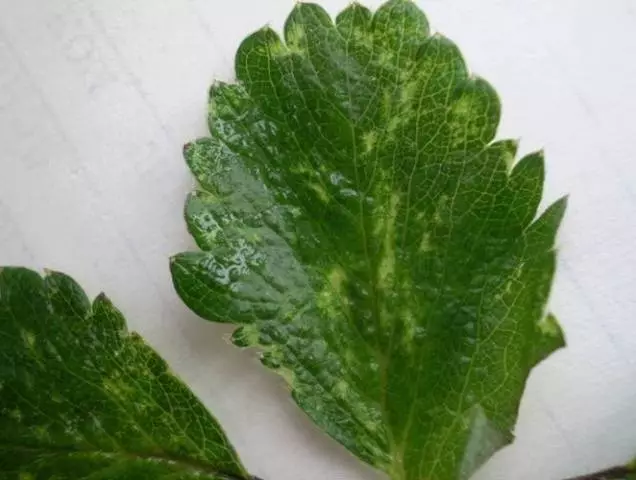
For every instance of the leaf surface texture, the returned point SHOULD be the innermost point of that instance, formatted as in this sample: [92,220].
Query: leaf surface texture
[83,398]
[359,223]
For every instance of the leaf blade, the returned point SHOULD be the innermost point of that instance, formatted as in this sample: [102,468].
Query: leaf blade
[373,240]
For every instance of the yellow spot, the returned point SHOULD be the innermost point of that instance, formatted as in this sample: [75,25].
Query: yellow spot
[302,169]
[386,269]
[442,206]
[362,38]
[386,59]
[508,287]
[296,34]
[369,139]
[549,326]
[408,92]
[425,244]
[351,360]
[255,238]
[26,476]
[118,388]
[461,126]
[337,277]
[277,49]
[341,388]
[332,299]
[387,103]
[320,191]
[408,319]
[29,339]
[393,125]
[463,106]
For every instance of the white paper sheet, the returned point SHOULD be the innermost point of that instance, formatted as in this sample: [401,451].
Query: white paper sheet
[97,98]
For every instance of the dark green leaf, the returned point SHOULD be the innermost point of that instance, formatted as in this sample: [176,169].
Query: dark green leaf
[360,224]
[81,397]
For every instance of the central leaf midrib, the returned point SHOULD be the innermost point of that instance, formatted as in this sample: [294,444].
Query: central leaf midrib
[184,463]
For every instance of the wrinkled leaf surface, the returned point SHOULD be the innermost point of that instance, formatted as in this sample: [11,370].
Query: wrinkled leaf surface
[362,227]
[81,397]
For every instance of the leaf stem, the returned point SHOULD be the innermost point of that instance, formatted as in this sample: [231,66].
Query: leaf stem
[615,473]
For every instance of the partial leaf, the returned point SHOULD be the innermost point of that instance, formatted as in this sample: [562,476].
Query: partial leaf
[360,224]
[81,397]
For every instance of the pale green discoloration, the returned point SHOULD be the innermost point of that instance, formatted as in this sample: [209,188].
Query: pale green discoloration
[337,277]
[333,299]
[369,140]
[341,388]
[400,281]
[549,326]
[425,244]
[408,93]
[118,388]
[279,50]
[16,415]
[409,320]
[320,192]
[441,211]
[28,338]
[386,270]
[296,34]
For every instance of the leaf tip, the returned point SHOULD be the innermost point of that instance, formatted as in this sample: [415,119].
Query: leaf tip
[177,259]
[561,205]
[49,273]
[267,29]
[550,339]
[103,299]
[550,326]
[173,263]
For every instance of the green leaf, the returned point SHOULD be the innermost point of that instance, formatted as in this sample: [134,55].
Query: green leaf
[81,397]
[361,226]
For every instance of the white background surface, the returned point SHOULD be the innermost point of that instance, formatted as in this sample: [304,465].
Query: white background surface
[97,98]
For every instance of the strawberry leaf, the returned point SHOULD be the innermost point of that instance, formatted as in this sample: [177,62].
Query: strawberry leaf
[81,397]
[359,223]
